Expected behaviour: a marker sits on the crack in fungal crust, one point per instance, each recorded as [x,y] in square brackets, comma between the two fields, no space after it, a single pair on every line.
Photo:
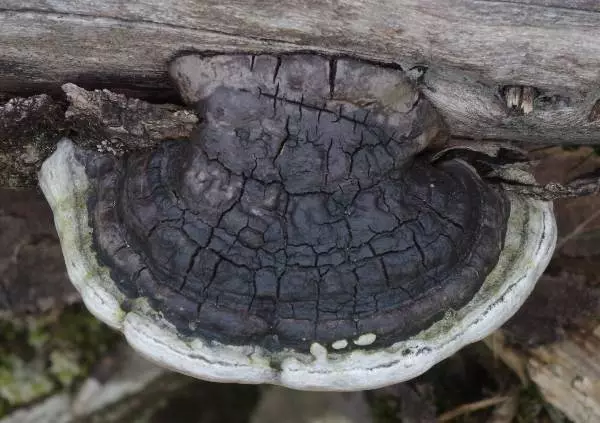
[298,237]
[285,222]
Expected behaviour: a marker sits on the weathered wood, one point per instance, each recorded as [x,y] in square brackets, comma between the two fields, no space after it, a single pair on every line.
[116,123]
[99,119]
[557,329]
[477,109]
[568,375]
[470,50]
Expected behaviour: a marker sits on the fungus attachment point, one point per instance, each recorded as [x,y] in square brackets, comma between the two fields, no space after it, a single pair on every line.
[298,238]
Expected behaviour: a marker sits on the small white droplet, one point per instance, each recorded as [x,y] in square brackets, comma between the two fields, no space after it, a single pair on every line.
[338,345]
[318,350]
[365,339]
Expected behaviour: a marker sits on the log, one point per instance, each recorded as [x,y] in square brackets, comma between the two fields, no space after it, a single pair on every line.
[465,57]
[509,70]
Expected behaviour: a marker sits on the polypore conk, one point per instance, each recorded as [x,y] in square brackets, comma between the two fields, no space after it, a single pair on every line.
[298,238]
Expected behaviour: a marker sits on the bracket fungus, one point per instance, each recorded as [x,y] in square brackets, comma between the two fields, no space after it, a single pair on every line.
[298,237]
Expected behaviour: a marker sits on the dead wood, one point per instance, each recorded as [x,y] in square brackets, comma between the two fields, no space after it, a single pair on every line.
[466,56]
[100,119]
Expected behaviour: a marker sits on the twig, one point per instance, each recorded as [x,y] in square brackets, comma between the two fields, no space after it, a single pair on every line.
[506,411]
[471,407]
[561,242]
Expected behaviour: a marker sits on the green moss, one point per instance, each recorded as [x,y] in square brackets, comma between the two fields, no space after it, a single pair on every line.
[40,355]
[37,336]
[65,366]
[22,382]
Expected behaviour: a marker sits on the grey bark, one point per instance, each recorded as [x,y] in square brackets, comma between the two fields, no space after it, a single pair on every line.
[470,50]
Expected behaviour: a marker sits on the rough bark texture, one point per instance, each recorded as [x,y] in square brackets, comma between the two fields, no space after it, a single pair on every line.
[100,120]
[463,55]
[28,130]
[114,123]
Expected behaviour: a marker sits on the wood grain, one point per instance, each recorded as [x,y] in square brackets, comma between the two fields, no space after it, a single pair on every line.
[470,48]
[568,375]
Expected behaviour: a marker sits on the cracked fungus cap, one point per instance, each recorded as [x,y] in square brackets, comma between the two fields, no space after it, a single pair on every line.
[298,238]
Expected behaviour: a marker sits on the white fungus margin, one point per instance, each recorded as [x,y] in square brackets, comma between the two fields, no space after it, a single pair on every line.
[529,244]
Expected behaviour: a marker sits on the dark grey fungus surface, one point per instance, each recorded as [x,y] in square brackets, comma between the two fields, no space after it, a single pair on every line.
[299,212]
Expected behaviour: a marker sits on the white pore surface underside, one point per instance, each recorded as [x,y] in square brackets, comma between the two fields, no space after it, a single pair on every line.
[531,237]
